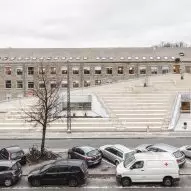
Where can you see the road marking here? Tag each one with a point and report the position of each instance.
(94, 187)
(108, 162)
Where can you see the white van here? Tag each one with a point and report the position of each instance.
(148, 167)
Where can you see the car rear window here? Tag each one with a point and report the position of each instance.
(17, 155)
(92, 153)
(177, 154)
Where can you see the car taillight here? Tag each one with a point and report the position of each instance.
(88, 158)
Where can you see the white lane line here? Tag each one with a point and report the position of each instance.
(108, 162)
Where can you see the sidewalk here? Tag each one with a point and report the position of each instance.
(6, 135)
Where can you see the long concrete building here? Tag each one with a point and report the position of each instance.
(88, 66)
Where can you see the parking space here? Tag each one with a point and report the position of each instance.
(186, 169)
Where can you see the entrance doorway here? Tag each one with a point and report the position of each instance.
(185, 107)
(176, 69)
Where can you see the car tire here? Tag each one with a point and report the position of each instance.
(8, 182)
(35, 183)
(126, 181)
(116, 162)
(73, 182)
(168, 181)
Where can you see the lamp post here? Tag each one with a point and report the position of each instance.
(68, 99)
(182, 66)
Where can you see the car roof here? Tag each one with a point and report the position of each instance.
(69, 162)
(13, 148)
(7, 163)
(154, 156)
(166, 147)
(122, 148)
(86, 149)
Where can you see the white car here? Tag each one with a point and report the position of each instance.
(186, 149)
(148, 167)
(115, 153)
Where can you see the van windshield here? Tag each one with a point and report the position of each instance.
(128, 160)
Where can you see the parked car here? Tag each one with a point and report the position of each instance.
(91, 155)
(10, 172)
(161, 147)
(148, 167)
(115, 153)
(13, 153)
(186, 150)
(72, 172)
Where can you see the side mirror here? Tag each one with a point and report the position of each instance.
(131, 168)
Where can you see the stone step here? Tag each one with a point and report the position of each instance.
(139, 119)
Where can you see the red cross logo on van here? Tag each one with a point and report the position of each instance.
(166, 164)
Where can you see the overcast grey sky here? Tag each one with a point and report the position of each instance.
(93, 23)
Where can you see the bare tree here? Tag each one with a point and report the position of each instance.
(179, 44)
(47, 108)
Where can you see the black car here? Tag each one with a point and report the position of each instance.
(13, 153)
(10, 172)
(91, 155)
(72, 172)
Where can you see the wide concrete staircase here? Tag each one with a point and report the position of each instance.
(130, 107)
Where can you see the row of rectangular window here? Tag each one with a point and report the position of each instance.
(75, 84)
(86, 70)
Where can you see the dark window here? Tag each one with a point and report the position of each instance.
(75, 71)
(120, 69)
(8, 70)
(87, 70)
(30, 85)
(64, 71)
(131, 70)
(75, 84)
(53, 85)
(111, 150)
(97, 82)
(97, 70)
(8, 83)
(53, 70)
(80, 151)
(137, 165)
(109, 70)
(19, 71)
(63, 169)
(19, 84)
(30, 70)
(119, 154)
(52, 170)
(153, 149)
(41, 85)
(86, 83)
(41, 70)
(4, 154)
(64, 85)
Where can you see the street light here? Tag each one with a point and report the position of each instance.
(68, 99)
(182, 66)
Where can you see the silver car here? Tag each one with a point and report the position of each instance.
(161, 147)
(186, 149)
(115, 153)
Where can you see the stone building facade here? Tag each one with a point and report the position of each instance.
(87, 66)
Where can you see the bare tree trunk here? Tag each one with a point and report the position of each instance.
(43, 139)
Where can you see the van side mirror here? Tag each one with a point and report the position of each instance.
(131, 168)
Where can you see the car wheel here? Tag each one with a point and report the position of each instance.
(167, 181)
(8, 182)
(73, 182)
(116, 162)
(126, 181)
(35, 182)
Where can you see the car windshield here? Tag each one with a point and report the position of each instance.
(92, 153)
(15, 167)
(17, 155)
(45, 167)
(128, 160)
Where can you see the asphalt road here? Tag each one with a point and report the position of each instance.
(100, 184)
(68, 143)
